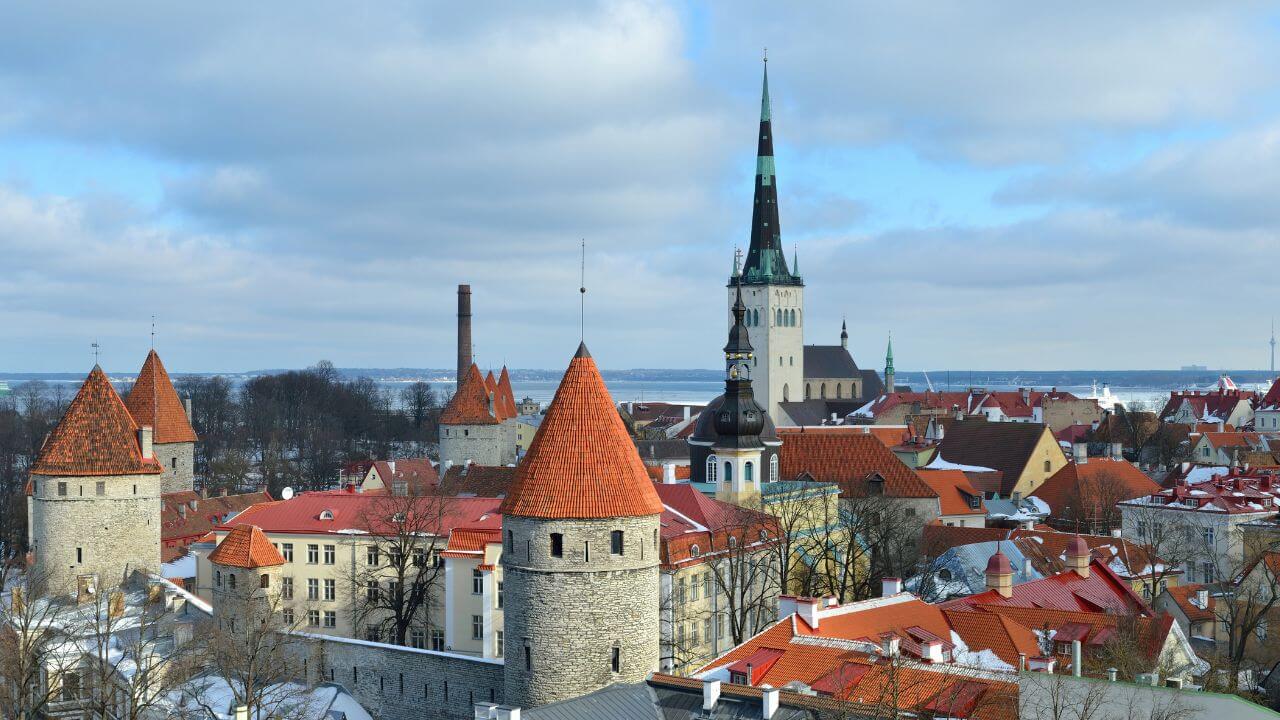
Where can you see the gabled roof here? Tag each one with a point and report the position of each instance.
(582, 462)
(154, 402)
(96, 436)
(1102, 480)
(1271, 401)
(486, 481)
(337, 513)
(690, 519)
(419, 475)
(246, 547)
(829, 361)
(470, 402)
(954, 491)
(850, 459)
(1184, 596)
(185, 514)
(1102, 591)
(1003, 446)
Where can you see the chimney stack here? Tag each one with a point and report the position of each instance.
(146, 442)
(1080, 452)
(186, 405)
(464, 331)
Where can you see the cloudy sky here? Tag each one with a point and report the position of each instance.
(1001, 186)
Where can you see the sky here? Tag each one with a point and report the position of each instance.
(1000, 185)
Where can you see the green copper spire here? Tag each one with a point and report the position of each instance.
(888, 357)
(766, 262)
(795, 259)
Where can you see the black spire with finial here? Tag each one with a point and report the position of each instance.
(766, 259)
(739, 417)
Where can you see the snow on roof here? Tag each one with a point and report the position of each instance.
(940, 464)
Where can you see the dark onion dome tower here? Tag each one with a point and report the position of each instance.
(772, 292)
(580, 551)
(95, 494)
(734, 444)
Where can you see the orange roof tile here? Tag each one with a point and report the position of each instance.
(96, 436)
(505, 396)
(154, 402)
(954, 491)
(246, 546)
(470, 402)
(582, 463)
(994, 632)
(1182, 595)
(848, 459)
(1104, 480)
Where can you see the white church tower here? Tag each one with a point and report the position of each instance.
(772, 292)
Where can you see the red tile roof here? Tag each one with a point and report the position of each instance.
(303, 513)
(1216, 404)
(470, 402)
(848, 459)
(582, 462)
(154, 402)
(471, 542)
(1237, 491)
(1102, 480)
(690, 518)
(1183, 595)
(418, 474)
(96, 436)
(505, 397)
(1271, 401)
(954, 491)
(1102, 591)
(246, 547)
(185, 517)
(683, 472)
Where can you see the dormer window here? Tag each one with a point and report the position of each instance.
(326, 514)
(695, 551)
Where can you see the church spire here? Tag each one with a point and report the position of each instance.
(766, 259)
(889, 374)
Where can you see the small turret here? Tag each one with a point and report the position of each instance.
(1000, 574)
(844, 334)
(1078, 556)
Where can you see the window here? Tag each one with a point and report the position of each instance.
(173, 463)
(217, 576)
(721, 622)
(372, 592)
(773, 469)
(694, 550)
(62, 489)
(313, 554)
(1047, 466)
(80, 557)
(557, 545)
(371, 555)
(528, 657)
(328, 554)
(680, 635)
(694, 588)
(286, 588)
(615, 659)
(615, 542)
(1261, 629)
(264, 580)
(477, 627)
(586, 551)
(372, 633)
(497, 644)
(975, 502)
(682, 594)
(733, 542)
(1208, 537)
(286, 615)
(711, 468)
(231, 581)
(70, 686)
(694, 641)
(437, 639)
(417, 638)
(286, 549)
(511, 542)
(101, 488)
(749, 472)
(706, 588)
(477, 582)
(1208, 573)
(330, 590)
(330, 619)
(313, 589)
(313, 618)
(500, 594)
(728, 472)
(419, 557)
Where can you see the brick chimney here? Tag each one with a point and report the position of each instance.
(146, 438)
(464, 331)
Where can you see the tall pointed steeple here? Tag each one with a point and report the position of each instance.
(766, 260)
(739, 418)
(889, 374)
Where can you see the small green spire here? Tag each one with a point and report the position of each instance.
(888, 357)
(765, 107)
(795, 260)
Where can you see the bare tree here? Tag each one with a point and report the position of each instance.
(397, 582)
(32, 625)
(1091, 505)
(1249, 594)
(745, 573)
(872, 536)
(1170, 543)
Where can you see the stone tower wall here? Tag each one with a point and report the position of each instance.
(178, 461)
(116, 532)
(481, 444)
(248, 603)
(570, 612)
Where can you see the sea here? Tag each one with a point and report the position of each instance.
(1149, 388)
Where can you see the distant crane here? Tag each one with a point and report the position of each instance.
(929, 382)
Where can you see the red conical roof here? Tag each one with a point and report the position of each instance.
(470, 402)
(505, 394)
(999, 564)
(96, 436)
(154, 402)
(582, 463)
(246, 546)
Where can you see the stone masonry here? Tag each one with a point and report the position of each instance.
(115, 531)
(178, 461)
(403, 683)
(569, 613)
(481, 444)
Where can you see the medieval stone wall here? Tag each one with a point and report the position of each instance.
(481, 444)
(116, 532)
(400, 683)
(565, 615)
(178, 461)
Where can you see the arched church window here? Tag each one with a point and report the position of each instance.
(728, 472)
(749, 472)
(839, 390)
(712, 467)
(822, 391)
(792, 322)
(808, 391)
(756, 317)
(786, 393)
(777, 316)
(773, 469)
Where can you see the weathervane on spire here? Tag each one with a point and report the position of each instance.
(582, 292)
(96, 349)
(766, 54)
(153, 332)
